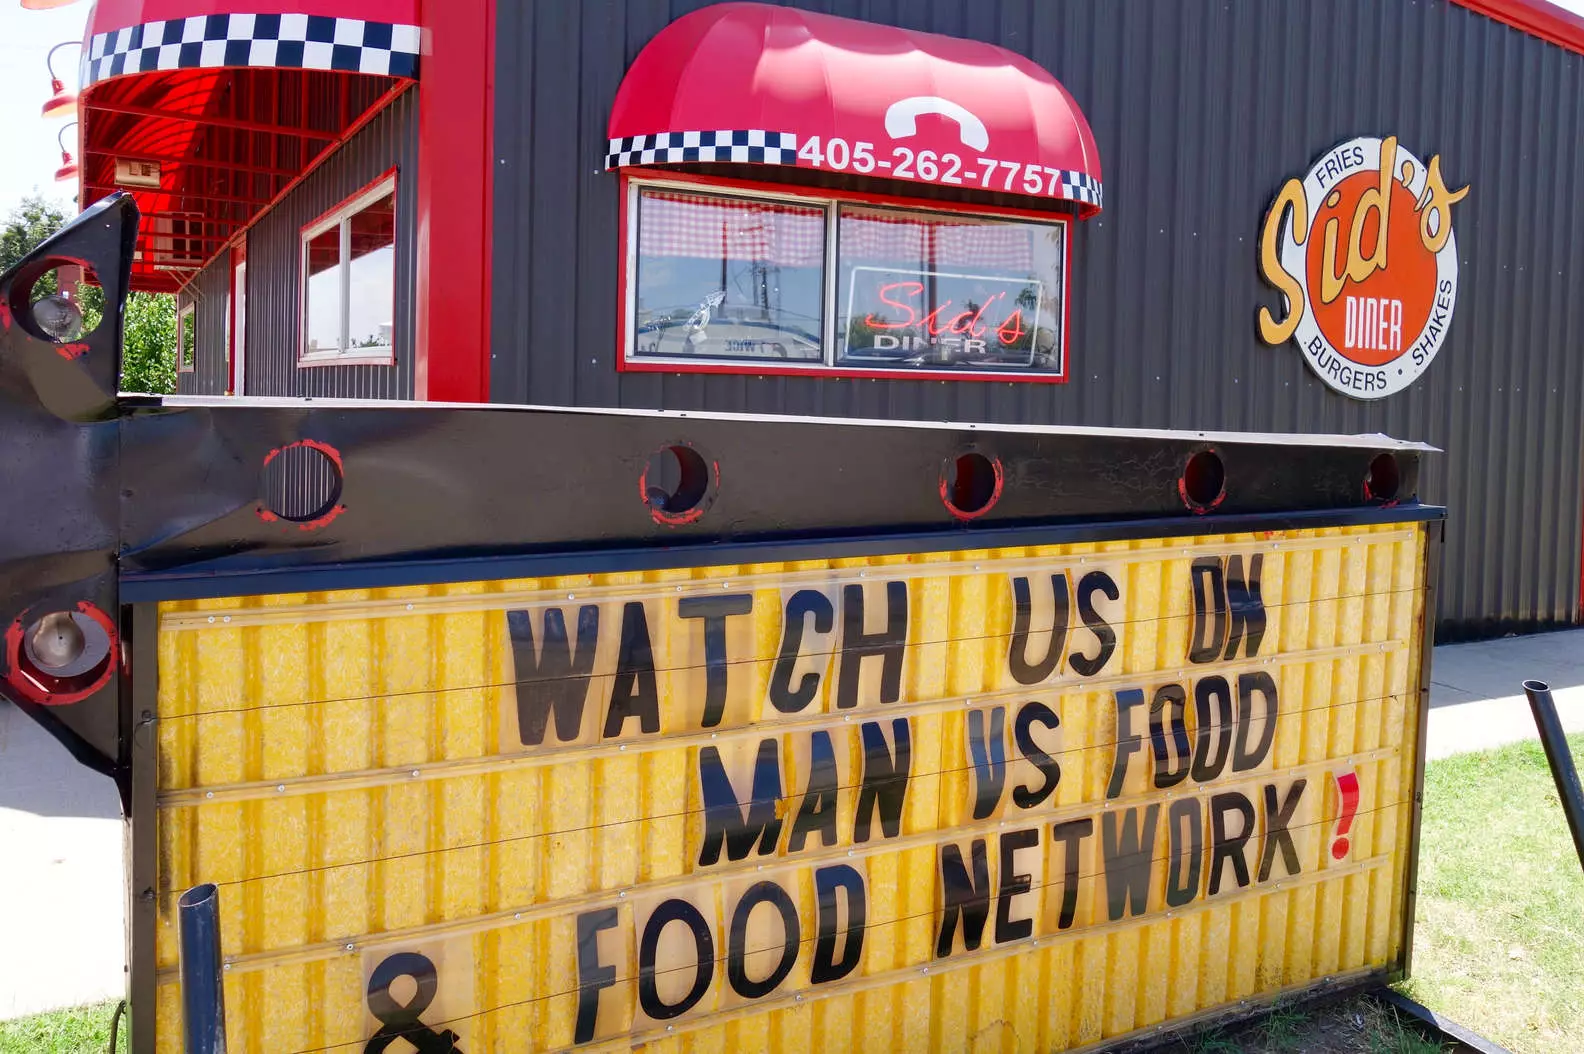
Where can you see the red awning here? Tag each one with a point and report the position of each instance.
(207, 110)
(757, 84)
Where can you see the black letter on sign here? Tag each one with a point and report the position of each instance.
(1128, 856)
(1212, 692)
(817, 812)
(989, 759)
(1029, 715)
(723, 817)
(1245, 604)
(405, 1021)
(1128, 742)
(1169, 704)
(634, 691)
(827, 880)
(1181, 889)
(1247, 757)
(1090, 584)
(736, 953)
(714, 610)
(1224, 847)
(1024, 671)
(969, 896)
(704, 950)
(885, 777)
(1070, 834)
(1012, 884)
(803, 603)
(890, 644)
(1210, 613)
(592, 974)
(554, 677)
(1277, 820)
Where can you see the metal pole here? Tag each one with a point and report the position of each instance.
(203, 996)
(1560, 759)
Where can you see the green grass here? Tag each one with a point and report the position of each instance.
(1359, 1025)
(80, 1030)
(1499, 937)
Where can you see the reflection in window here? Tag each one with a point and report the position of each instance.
(322, 301)
(948, 292)
(729, 278)
(371, 275)
(349, 284)
(187, 339)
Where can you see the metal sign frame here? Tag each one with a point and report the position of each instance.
(119, 502)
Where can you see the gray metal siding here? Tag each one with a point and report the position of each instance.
(208, 292)
(1202, 109)
(389, 141)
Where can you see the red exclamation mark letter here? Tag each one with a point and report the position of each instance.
(1348, 794)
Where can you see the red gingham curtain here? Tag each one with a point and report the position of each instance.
(713, 228)
(677, 224)
(937, 244)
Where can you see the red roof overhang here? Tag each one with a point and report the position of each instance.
(1538, 18)
(233, 106)
(752, 83)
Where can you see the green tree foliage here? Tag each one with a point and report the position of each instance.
(29, 223)
(148, 358)
(148, 362)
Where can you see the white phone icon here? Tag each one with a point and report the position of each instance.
(901, 119)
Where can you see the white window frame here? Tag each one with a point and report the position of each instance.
(345, 355)
(186, 317)
(828, 364)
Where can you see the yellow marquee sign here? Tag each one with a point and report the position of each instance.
(1031, 798)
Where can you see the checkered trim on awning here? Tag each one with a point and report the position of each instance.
(1076, 186)
(314, 42)
(753, 146)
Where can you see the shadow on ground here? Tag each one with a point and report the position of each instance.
(38, 776)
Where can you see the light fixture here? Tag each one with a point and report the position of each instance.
(44, 5)
(68, 169)
(62, 103)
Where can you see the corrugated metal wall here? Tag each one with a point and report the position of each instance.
(1201, 108)
(390, 140)
(208, 291)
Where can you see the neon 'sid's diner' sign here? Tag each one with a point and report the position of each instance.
(950, 318)
(1066, 793)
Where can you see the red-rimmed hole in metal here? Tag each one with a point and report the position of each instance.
(1384, 479)
(1203, 483)
(60, 657)
(678, 484)
(57, 299)
(970, 484)
(301, 483)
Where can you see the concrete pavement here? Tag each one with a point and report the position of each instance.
(60, 878)
(1476, 690)
(61, 935)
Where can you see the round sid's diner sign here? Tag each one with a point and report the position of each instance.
(1362, 250)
